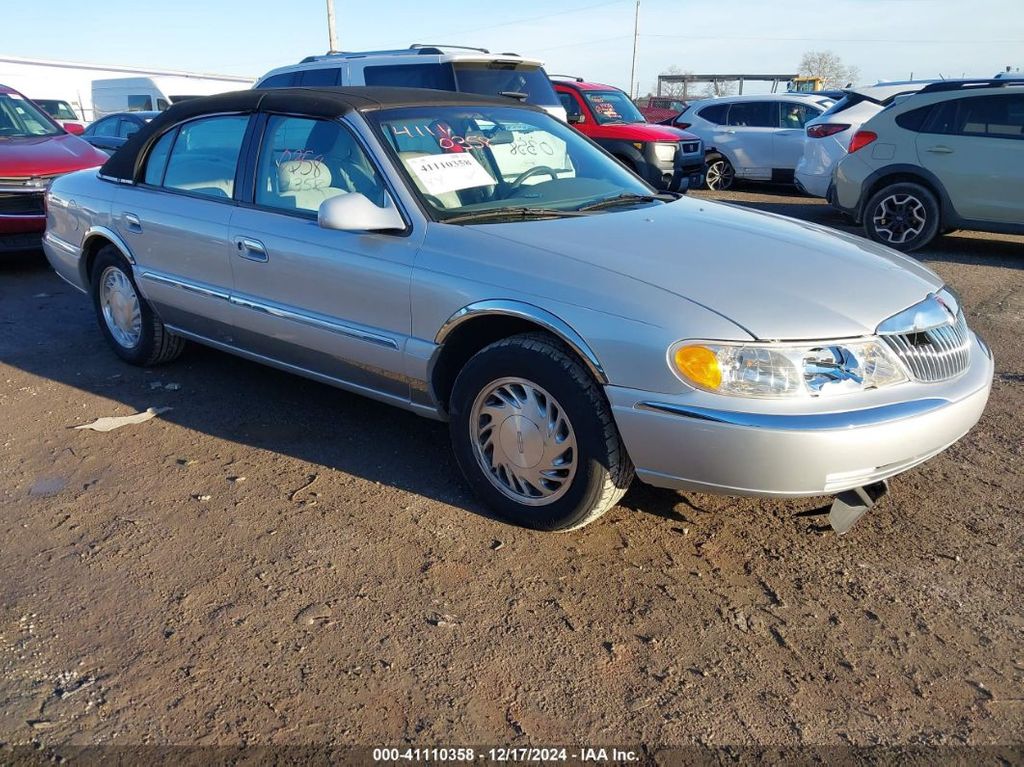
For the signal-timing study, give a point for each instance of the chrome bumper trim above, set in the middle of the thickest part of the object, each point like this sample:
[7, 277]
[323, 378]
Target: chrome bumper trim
[852, 419]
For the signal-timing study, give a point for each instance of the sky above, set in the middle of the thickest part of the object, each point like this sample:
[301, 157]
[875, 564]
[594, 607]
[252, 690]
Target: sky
[884, 39]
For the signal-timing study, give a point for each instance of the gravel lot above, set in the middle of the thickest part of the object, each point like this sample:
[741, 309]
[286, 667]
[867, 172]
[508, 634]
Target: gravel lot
[273, 561]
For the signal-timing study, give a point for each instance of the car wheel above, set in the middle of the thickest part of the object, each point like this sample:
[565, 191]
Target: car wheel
[904, 216]
[128, 323]
[719, 173]
[534, 435]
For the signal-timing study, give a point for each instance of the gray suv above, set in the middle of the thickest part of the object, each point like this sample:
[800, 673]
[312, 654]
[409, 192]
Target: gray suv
[949, 157]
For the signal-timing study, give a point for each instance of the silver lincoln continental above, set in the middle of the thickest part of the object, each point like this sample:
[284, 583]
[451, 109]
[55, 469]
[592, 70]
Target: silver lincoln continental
[474, 260]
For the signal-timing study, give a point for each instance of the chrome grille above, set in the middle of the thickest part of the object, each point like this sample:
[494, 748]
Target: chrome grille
[936, 354]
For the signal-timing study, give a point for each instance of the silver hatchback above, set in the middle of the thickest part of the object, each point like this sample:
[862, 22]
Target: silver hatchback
[480, 262]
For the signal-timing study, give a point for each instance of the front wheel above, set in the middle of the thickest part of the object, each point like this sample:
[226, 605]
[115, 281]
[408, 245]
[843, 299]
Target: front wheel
[904, 216]
[719, 173]
[534, 435]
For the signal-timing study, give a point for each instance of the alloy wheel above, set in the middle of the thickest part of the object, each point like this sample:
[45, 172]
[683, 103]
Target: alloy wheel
[523, 441]
[899, 217]
[719, 175]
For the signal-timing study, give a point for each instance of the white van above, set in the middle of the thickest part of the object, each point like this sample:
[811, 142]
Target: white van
[441, 67]
[148, 94]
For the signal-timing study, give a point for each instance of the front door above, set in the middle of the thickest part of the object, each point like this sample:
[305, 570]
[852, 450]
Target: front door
[176, 223]
[331, 302]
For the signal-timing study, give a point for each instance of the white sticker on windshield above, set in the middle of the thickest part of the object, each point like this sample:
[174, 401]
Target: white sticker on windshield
[441, 173]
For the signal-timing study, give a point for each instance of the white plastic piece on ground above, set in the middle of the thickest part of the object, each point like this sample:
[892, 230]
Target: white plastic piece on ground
[109, 423]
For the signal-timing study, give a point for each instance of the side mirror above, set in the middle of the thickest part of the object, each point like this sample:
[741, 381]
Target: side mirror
[76, 129]
[576, 119]
[353, 212]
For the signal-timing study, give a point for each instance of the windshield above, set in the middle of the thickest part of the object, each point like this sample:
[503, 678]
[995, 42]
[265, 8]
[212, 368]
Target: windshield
[497, 78]
[505, 161]
[20, 118]
[613, 107]
[58, 110]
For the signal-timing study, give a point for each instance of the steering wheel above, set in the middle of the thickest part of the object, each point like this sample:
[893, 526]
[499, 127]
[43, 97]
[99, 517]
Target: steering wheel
[518, 181]
[434, 201]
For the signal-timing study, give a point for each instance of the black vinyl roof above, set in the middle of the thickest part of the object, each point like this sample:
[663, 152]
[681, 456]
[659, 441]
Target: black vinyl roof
[125, 164]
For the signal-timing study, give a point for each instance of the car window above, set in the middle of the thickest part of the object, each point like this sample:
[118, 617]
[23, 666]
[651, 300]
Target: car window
[572, 106]
[156, 162]
[613, 107]
[161, 105]
[994, 116]
[283, 80]
[715, 113]
[914, 120]
[319, 77]
[205, 156]
[105, 127]
[140, 104]
[304, 162]
[127, 128]
[497, 79]
[58, 110]
[19, 118]
[753, 114]
[437, 76]
[491, 159]
[796, 115]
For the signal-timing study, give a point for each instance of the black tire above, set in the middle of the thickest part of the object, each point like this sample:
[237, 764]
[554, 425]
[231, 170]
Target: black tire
[719, 174]
[603, 469]
[155, 344]
[915, 207]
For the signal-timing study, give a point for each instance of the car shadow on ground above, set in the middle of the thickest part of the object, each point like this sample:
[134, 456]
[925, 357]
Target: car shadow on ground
[48, 329]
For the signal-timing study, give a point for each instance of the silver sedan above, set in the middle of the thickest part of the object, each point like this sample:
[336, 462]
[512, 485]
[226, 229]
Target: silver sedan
[475, 260]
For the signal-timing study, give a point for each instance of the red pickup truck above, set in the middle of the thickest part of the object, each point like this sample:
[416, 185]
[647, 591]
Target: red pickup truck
[665, 157]
[33, 151]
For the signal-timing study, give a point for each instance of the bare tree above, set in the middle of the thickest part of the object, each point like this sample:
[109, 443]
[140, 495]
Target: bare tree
[829, 67]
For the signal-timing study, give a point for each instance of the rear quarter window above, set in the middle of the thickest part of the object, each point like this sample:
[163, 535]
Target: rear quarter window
[715, 113]
[437, 76]
[915, 119]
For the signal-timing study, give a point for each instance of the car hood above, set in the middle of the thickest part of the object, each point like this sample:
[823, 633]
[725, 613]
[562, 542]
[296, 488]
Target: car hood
[640, 132]
[775, 277]
[46, 156]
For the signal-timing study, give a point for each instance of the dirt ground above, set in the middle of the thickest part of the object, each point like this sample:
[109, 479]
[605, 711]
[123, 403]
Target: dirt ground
[273, 561]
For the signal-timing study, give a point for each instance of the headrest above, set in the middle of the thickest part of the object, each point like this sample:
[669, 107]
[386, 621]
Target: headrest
[302, 176]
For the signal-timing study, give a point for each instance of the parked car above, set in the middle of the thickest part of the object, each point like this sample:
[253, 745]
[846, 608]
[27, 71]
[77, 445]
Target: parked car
[665, 157]
[476, 260]
[949, 157]
[63, 113]
[758, 138]
[109, 133]
[33, 151]
[441, 67]
[660, 109]
[828, 136]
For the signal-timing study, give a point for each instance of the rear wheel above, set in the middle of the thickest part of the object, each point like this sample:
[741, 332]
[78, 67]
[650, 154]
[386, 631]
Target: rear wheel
[126, 320]
[904, 216]
[535, 437]
[719, 173]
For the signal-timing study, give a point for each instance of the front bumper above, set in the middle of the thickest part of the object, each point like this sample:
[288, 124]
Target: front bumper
[21, 232]
[675, 444]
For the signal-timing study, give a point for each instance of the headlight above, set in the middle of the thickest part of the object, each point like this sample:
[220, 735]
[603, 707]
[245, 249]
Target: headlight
[665, 152]
[786, 370]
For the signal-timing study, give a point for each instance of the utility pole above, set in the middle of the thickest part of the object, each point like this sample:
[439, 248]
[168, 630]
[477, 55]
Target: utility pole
[332, 36]
[636, 34]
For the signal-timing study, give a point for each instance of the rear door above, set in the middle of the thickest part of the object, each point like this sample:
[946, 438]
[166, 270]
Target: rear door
[790, 135]
[747, 138]
[176, 223]
[975, 146]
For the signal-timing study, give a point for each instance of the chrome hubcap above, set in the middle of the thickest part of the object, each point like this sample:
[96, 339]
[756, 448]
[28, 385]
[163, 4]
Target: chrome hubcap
[523, 441]
[719, 175]
[899, 217]
[120, 306]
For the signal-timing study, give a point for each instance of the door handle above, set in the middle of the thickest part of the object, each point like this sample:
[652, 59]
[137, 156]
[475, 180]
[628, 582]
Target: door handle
[132, 223]
[939, 149]
[254, 250]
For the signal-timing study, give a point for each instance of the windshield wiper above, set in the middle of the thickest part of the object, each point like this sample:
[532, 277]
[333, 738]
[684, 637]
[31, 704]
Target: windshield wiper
[626, 199]
[510, 213]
